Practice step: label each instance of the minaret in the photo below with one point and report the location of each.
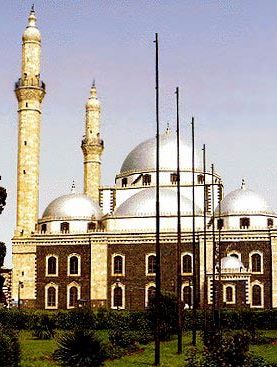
(29, 91)
(92, 146)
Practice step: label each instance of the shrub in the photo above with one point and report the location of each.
(80, 348)
(82, 318)
(42, 325)
(167, 315)
(125, 339)
(9, 348)
(14, 318)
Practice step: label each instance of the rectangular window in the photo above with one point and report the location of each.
(244, 223)
(173, 178)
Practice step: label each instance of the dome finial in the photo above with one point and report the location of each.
(73, 188)
(242, 184)
(93, 91)
(32, 17)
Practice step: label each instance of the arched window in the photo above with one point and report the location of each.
(187, 263)
(151, 292)
(174, 178)
(187, 296)
(117, 297)
(118, 264)
(52, 265)
(256, 263)
(229, 294)
(256, 295)
(220, 223)
(244, 223)
(51, 297)
(91, 226)
(151, 264)
(200, 179)
(269, 222)
(124, 182)
(65, 227)
(235, 255)
(73, 296)
(43, 228)
(74, 265)
(146, 180)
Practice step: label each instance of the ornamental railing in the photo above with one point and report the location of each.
(30, 82)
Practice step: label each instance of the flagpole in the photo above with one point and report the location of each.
(179, 280)
(158, 250)
(193, 238)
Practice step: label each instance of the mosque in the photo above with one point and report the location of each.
(97, 248)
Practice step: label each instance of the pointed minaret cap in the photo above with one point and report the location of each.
(31, 32)
(242, 184)
(93, 100)
(73, 188)
(32, 17)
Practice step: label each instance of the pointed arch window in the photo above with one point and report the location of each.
(256, 295)
(74, 265)
(146, 180)
(118, 296)
(244, 223)
(118, 264)
(150, 264)
(187, 296)
(51, 296)
(52, 265)
(150, 292)
(73, 296)
(43, 228)
(65, 227)
(187, 263)
(256, 263)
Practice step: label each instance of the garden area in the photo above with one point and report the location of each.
(111, 338)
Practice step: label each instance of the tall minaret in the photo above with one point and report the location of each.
(29, 91)
(92, 146)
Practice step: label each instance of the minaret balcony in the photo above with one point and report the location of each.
(93, 141)
(30, 82)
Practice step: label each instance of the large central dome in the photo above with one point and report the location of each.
(143, 157)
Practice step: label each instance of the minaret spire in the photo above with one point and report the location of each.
(92, 146)
(30, 91)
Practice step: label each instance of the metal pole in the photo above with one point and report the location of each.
(214, 247)
(219, 293)
(158, 250)
(193, 238)
(205, 238)
(179, 279)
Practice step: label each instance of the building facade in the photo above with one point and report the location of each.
(97, 248)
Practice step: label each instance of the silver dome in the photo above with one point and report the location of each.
(72, 206)
(143, 204)
(244, 201)
(231, 262)
(143, 157)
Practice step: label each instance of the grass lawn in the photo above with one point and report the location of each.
(37, 353)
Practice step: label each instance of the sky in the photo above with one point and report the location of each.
(222, 54)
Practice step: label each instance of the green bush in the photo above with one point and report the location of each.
(82, 318)
(125, 339)
(9, 348)
(42, 325)
(167, 315)
(14, 318)
(80, 348)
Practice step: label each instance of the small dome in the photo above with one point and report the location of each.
(243, 201)
(31, 32)
(72, 206)
(231, 262)
(143, 204)
(143, 157)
